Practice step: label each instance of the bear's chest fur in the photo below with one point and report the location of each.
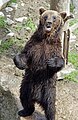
(43, 51)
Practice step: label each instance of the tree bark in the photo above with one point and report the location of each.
(60, 6)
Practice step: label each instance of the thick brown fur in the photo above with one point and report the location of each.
(42, 59)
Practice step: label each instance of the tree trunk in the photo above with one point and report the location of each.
(60, 6)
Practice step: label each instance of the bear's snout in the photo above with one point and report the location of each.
(48, 24)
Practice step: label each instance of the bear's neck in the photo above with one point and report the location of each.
(51, 38)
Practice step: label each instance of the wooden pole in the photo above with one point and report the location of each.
(68, 38)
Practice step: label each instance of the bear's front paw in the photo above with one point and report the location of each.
(25, 113)
(22, 113)
(55, 64)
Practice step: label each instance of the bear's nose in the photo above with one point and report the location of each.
(48, 24)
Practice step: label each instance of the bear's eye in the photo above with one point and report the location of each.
(45, 17)
(54, 18)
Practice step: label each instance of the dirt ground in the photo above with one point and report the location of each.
(10, 76)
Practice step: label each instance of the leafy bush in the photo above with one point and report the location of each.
(2, 22)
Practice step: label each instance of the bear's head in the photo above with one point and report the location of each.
(51, 20)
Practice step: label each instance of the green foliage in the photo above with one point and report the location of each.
(73, 76)
(73, 58)
(2, 22)
(75, 31)
(72, 22)
(72, 7)
(6, 45)
(18, 27)
(11, 1)
(11, 43)
(15, 1)
(29, 23)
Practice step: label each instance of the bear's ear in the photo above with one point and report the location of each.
(68, 17)
(41, 10)
(63, 14)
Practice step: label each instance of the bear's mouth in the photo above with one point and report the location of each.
(47, 29)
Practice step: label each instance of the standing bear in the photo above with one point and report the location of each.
(42, 59)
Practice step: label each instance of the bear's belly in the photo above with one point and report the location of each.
(41, 54)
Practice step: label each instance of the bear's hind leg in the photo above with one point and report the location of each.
(26, 100)
(48, 102)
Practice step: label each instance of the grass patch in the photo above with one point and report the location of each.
(72, 7)
(75, 31)
(15, 1)
(26, 24)
(73, 58)
(6, 45)
(72, 22)
(73, 76)
(29, 23)
(11, 43)
(2, 22)
(11, 1)
(18, 27)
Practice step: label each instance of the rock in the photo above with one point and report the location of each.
(9, 21)
(8, 107)
(9, 84)
(20, 19)
(2, 14)
(0, 42)
(8, 9)
(3, 3)
(11, 34)
(22, 4)
(76, 45)
(14, 5)
(67, 70)
(72, 37)
(28, 29)
(8, 16)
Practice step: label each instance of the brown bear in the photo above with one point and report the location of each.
(42, 59)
